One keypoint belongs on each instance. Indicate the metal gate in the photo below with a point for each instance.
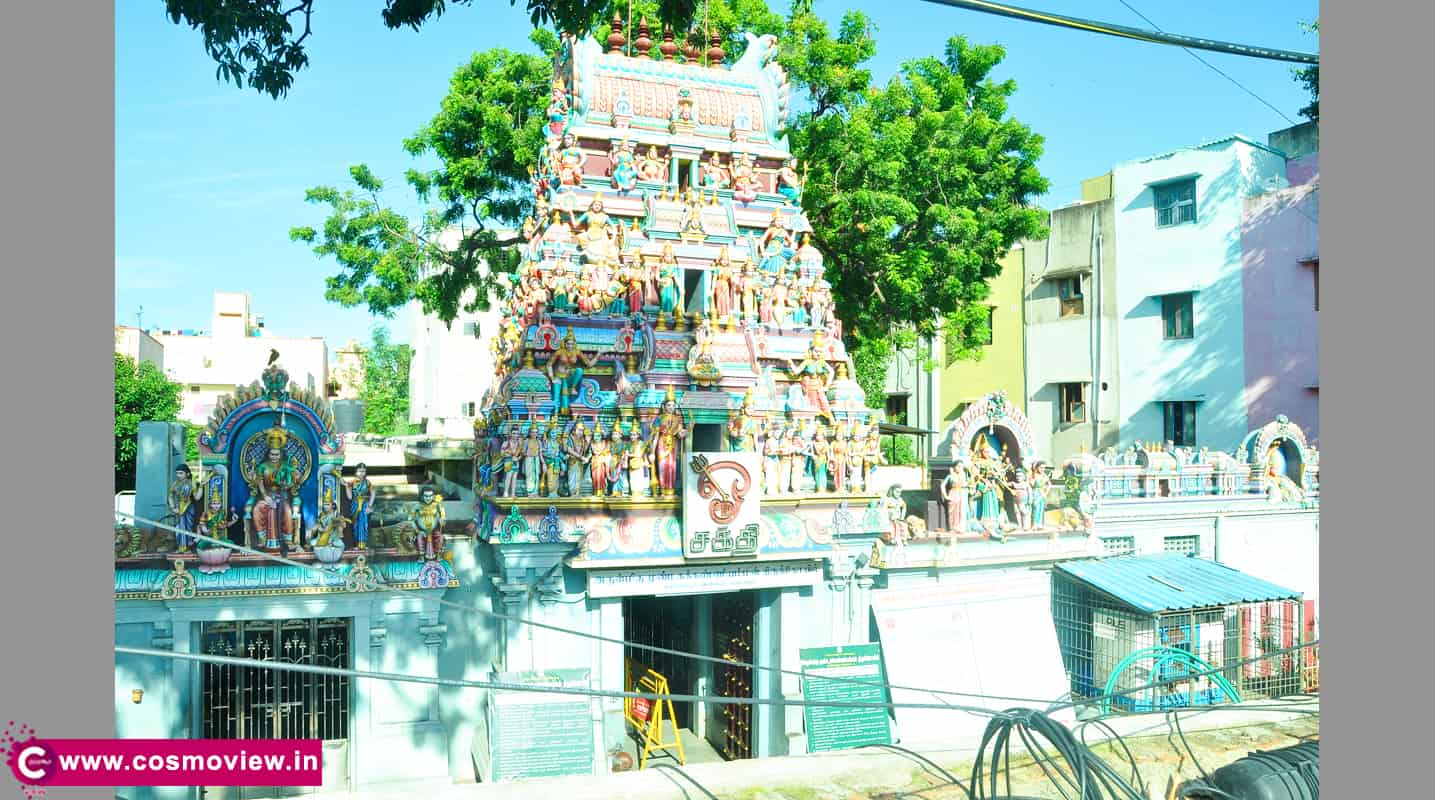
(732, 634)
(663, 622)
(259, 703)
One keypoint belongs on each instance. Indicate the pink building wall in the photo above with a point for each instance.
(1280, 234)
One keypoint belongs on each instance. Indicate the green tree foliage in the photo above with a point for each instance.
(260, 43)
(142, 394)
(915, 189)
(1309, 78)
(385, 393)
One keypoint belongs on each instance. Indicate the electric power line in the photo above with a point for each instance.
(1153, 37)
(1213, 67)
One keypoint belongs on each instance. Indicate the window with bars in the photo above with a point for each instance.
(1175, 203)
(1186, 545)
(1073, 403)
(1180, 422)
(1118, 545)
(258, 703)
(470, 409)
(1073, 302)
(1177, 316)
(897, 408)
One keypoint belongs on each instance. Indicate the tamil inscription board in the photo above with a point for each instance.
(842, 728)
(537, 734)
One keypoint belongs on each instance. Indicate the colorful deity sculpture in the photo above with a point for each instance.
(1021, 499)
(571, 160)
(636, 454)
(789, 184)
(557, 109)
(670, 283)
(216, 520)
(652, 168)
(772, 446)
(714, 174)
(625, 167)
(600, 461)
(361, 504)
(565, 370)
(954, 495)
(554, 459)
(895, 508)
(669, 431)
(328, 530)
(533, 460)
(744, 179)
(815, 376)
(272, 504)
(721, 285)
(821, 461)
(773, 244)
(595, 238)
(427, 519)
(580, 457)
(691, 225)
(1040, 484)
(744, 427)
(183, 499)
(509, 456)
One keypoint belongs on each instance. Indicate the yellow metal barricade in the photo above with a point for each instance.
(648, 716)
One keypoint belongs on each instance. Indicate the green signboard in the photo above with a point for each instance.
(540, 735)
(838, 728)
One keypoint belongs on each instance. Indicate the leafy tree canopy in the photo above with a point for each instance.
(1309, 78)
(915, 188)
(385, 392)
(142, 394)
(260, 43)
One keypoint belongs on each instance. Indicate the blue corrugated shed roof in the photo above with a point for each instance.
(1172, 582)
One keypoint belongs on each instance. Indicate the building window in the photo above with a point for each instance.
(897, 408)
(470, 409)
(1175, 203)
(194, 389)
(470, 329)
(258, 703)
(1315, 280)
(1181, 422)
(1177, 315)
(1186, 545)
(991, 324)
(1073, 403)
(1073, 302)
(1118, 545)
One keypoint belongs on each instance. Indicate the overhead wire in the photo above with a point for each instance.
(1126, 32)
(1211, 66)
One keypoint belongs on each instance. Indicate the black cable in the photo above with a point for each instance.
(1154, 37)
(1174, 717)
(690, 778)
(1136, 779)
(1083, 770)
(951, 780)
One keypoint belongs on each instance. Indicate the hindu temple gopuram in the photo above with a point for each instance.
(674, 454)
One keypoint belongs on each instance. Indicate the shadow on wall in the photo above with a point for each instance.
(1193, 368)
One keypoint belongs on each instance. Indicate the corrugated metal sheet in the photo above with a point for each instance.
(1172, 582)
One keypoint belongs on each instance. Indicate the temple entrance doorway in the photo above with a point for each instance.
(717, 625)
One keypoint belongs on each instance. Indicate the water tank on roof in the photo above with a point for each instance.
(348, 415)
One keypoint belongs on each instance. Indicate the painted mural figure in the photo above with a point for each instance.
(361, 503)
(580, 456)
(428, 520)
(565, 370)
(271, 504)
(183, 500)
(954, 494)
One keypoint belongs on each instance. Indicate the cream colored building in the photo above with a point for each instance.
(208, 365)
(138, 345)
(349, 370)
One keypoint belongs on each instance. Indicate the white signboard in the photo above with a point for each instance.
(721, 505)
(703, 579)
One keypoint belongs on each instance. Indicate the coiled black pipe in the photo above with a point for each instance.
(1290, 773)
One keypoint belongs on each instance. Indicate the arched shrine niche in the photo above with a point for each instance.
(1278, 448)
(991, 422)
(271, 451)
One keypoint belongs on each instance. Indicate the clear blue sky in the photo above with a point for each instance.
(209, 178)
